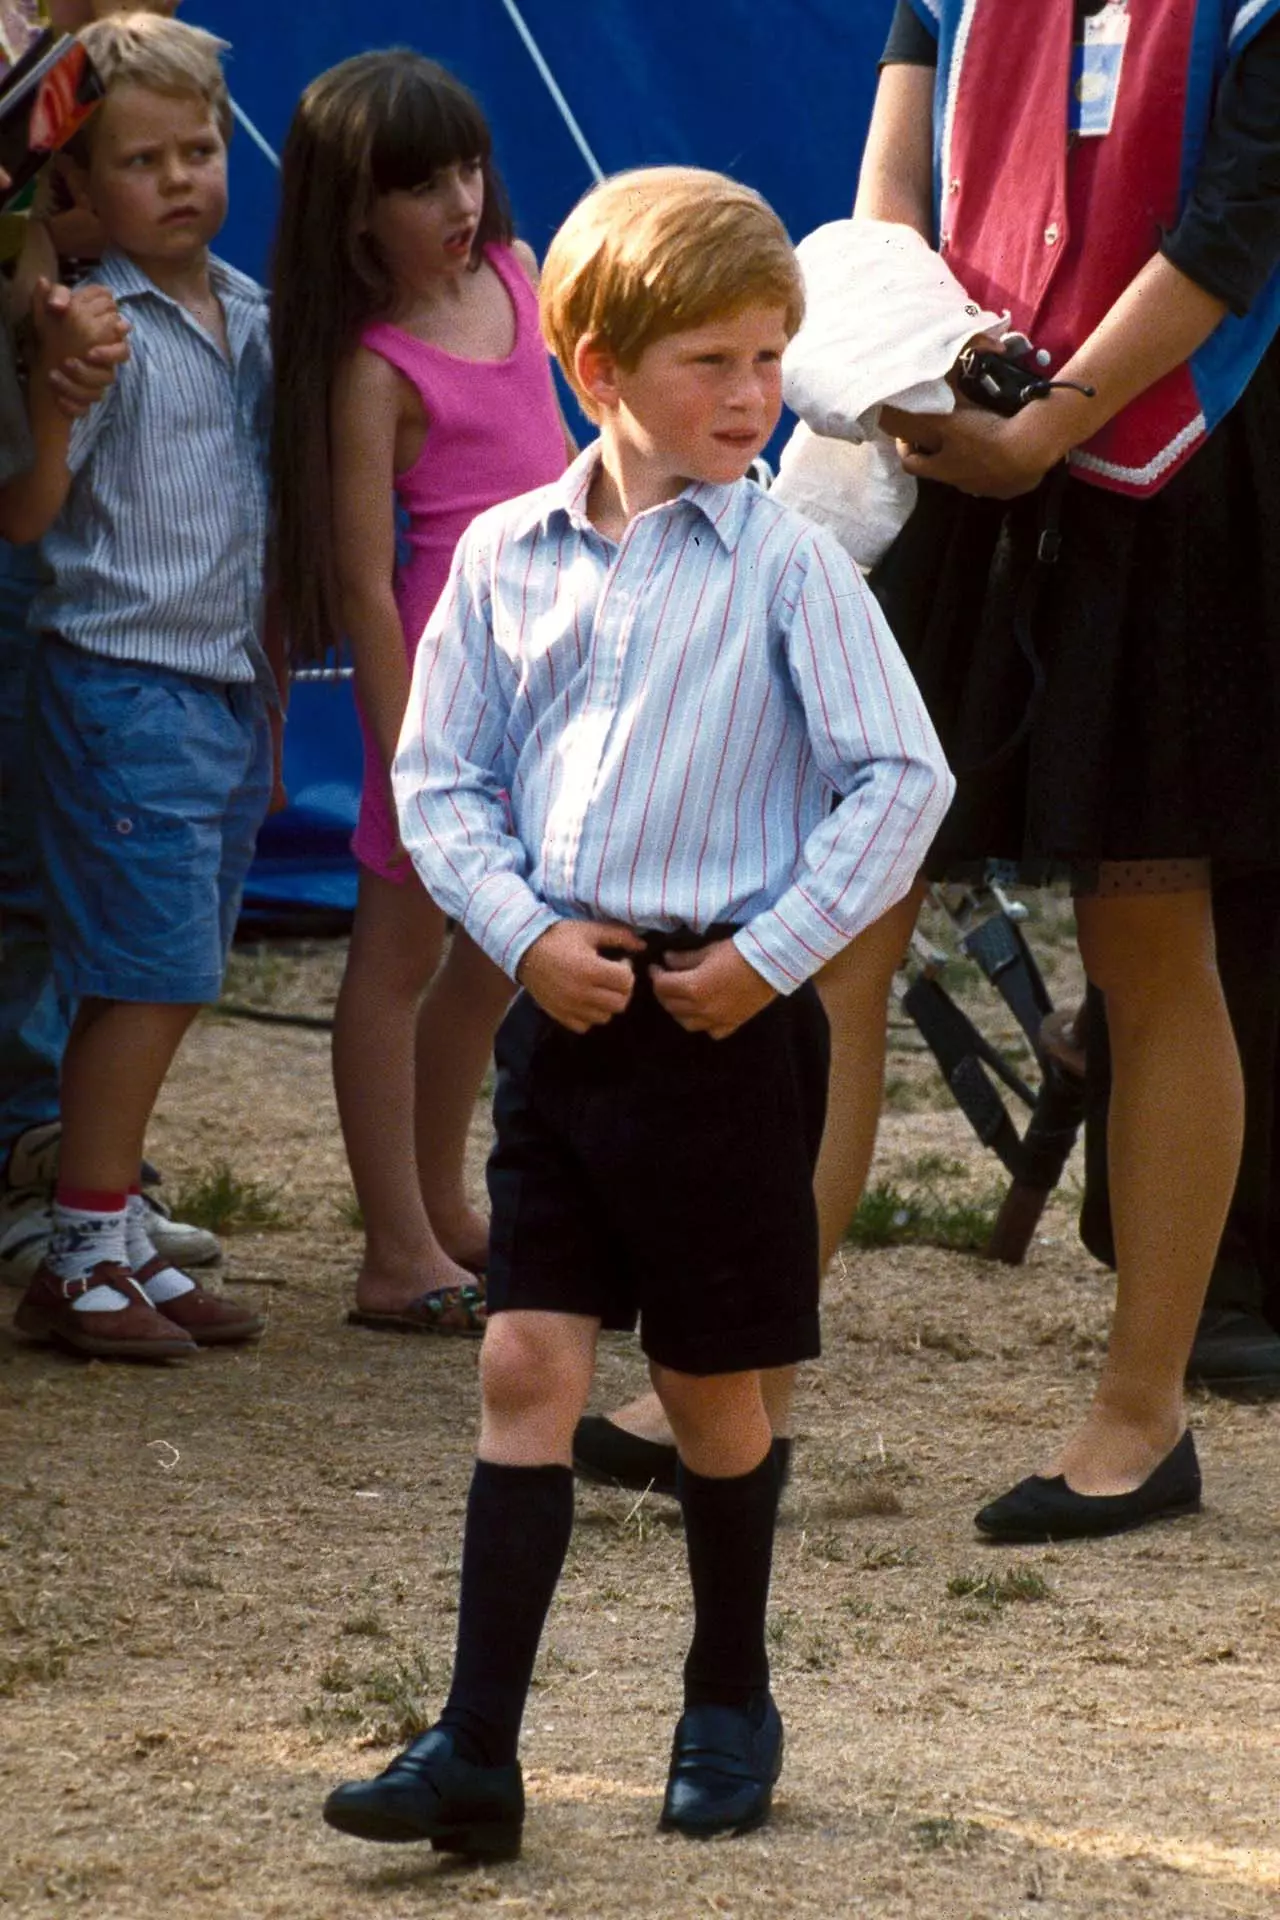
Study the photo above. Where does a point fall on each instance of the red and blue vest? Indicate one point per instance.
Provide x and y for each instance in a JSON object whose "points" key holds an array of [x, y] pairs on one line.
{"points": [[1054, 229]]}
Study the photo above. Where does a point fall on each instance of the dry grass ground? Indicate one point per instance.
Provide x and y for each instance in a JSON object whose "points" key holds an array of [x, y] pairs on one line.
{"points": [[226, 1585]]}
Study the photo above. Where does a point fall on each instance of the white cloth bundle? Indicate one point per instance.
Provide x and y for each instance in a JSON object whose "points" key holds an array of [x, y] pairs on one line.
{"points": [[884, 321]]}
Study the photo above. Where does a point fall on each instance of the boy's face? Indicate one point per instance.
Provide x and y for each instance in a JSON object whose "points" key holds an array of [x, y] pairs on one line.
{"points": [[157, 174], [700, 404]]}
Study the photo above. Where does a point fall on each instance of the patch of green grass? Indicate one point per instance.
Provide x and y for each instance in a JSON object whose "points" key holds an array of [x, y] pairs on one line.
{"points": [[351, 1213], [383, 1705], [886, 1559], [889, 1217], [905, 1093], [818, 1651], [224, 1203], [366, 1625], [1000, 1589], [958, 1346], [945, 1833], [780, 1626], [255, 975], [928, 1167], [194, 1576]]}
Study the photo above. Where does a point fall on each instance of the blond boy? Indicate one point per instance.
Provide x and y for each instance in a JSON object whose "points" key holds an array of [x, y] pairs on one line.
{"points": [[670, 676], [151, 689]]}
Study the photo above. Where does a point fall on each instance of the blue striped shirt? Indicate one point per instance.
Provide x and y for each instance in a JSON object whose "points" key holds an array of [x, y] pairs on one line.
{"points": [[654, 731], [157, 554]]}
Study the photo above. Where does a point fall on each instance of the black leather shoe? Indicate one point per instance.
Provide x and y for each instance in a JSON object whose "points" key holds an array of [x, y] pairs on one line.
{"points": [[608, 1456], [723, 1770], [1040, 1509], [1235, 1352], [429, 1793]]}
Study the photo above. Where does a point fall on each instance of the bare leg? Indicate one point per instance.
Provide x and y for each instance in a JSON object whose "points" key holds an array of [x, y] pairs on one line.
{"points": [[456, 1025], [115, 1063], [535, 1374], [1174, 1149], [855, 991], [719, 1420], [396, 945]]}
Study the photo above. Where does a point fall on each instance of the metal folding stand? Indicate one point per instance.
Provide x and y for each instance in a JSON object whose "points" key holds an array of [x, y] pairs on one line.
{"points": [[985, 925]]}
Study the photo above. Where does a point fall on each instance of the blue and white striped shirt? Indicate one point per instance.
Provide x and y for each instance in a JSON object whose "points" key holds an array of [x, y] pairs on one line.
{"points": [[157, 554], [654, 731]]}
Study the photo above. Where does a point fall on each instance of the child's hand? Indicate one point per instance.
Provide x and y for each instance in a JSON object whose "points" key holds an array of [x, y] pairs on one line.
{"points": [[569, 977], [83, 340], [711, 991]]}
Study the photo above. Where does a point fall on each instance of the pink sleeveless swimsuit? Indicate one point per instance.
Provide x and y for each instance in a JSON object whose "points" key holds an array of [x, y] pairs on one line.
{"points": [[493, 430]]}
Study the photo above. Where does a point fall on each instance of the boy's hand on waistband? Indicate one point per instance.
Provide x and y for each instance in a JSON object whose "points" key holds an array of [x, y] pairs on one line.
{"points": [[570, 978], [712, 990]]}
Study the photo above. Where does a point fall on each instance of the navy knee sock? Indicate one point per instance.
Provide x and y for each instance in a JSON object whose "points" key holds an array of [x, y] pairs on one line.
{"points": [[519, 1520], [728, 1530]]}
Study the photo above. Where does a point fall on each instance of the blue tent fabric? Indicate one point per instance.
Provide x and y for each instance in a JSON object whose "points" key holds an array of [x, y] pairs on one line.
{"points": [[775, 92]]}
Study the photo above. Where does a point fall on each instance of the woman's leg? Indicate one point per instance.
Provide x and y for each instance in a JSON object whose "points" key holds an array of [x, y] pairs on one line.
{"points": [[855, 992], [396, 944], [1175, 1131], [456, 1025]]}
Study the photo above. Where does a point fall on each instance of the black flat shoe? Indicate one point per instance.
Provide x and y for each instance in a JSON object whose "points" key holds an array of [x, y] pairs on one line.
{"points": [[723, 1769], [429, 1793], [1236, 1353], [1040, 1509], [608, 1456]]}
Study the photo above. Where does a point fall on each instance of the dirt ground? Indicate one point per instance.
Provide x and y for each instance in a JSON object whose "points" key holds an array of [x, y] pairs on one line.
{"points": [[228, 1584]]}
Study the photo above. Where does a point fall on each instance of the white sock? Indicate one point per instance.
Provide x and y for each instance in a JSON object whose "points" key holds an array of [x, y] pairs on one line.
{"points": [[83, 1239], [166, 1283]]}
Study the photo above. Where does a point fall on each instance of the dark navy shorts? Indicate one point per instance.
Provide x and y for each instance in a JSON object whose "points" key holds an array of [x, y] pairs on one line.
{"points": [[151, 788], [642, 1173]]}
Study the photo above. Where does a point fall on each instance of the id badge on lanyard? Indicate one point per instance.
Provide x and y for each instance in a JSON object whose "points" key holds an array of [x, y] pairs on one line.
{"points": [[1095, 70]]}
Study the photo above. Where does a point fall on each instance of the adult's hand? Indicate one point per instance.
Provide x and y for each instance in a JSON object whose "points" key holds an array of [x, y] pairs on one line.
{"points": [[984, 453], [83, 340]]}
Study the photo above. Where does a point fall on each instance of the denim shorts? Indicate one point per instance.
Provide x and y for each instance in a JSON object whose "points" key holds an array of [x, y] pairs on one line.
{"points": [[151, 789]]}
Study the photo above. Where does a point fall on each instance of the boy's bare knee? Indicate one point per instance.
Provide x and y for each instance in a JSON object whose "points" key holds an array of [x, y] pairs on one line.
{"points": [[529, 1365], [705, 1403]]}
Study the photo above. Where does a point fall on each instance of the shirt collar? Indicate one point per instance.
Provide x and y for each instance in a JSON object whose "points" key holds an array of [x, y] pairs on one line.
{"points": [[724, 508], [128, 282]]}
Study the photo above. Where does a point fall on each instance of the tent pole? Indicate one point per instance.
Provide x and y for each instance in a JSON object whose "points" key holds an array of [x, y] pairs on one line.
{"points": [[259, 139], [549, 81]]}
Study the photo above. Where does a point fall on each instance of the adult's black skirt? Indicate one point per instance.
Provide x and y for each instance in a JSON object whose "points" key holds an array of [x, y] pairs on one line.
{"points": [[1120, 702]]}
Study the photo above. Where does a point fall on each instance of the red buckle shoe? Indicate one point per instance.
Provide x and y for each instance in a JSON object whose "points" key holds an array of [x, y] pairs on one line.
{"points": [[209, 1319], [136, 1331]]}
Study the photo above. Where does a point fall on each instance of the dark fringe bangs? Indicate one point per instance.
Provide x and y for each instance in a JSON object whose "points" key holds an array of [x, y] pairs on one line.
{"points": [[425, 121]]}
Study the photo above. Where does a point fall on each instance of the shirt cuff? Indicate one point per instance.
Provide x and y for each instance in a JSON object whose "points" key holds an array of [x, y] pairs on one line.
{"points": [[505, 917], [790, 943]]}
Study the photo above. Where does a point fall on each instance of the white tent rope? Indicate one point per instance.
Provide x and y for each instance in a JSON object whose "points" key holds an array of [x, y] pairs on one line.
{"points": [[549, 81], [259, 139]]}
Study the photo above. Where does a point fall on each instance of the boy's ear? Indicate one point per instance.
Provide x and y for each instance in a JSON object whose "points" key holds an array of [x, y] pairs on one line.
{"points": [[596, 367]]}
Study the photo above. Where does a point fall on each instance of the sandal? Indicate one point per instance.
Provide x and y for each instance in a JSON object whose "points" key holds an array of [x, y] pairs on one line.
{"points": [[454, 1310]]}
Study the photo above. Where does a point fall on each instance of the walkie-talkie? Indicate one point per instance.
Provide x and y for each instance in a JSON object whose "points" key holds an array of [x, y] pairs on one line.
{"points": [[1003, 382]]}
